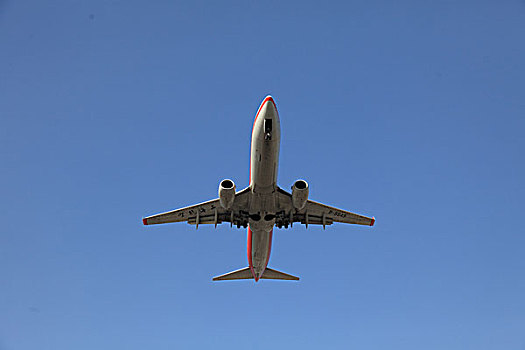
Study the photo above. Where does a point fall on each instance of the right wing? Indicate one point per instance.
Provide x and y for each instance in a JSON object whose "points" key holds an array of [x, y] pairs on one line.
{"points": [[210, 212], [315, 213]]}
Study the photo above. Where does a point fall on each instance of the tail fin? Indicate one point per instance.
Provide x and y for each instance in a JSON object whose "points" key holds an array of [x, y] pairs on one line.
{"points": [[241, 274], [271, 274]]}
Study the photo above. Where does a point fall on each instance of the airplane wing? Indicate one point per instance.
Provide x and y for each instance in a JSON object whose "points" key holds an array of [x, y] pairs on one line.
{"points": [[315, 213], [210, 212]]}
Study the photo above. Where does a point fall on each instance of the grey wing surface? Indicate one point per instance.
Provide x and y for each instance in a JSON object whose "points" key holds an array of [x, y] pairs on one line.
{"points": [[210, 212], [315, 213]]}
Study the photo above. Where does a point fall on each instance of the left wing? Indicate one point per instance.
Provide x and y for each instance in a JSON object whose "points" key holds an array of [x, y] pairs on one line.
{"points": [[210, 212], [315, 213]]}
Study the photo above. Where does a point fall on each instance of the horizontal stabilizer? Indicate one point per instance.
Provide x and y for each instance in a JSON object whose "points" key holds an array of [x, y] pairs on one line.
{"points": [[271, 274], [241, 274]]}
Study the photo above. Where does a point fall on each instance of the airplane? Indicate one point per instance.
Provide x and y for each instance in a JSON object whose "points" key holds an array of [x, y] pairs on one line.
{"points": [[263, 204]]}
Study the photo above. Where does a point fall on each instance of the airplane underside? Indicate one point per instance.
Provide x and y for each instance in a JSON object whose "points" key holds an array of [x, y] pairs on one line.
{"points": [[262, 205]]}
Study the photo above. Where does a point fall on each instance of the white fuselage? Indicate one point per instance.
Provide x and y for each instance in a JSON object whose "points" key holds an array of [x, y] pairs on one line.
{"points": [[264, 161]]}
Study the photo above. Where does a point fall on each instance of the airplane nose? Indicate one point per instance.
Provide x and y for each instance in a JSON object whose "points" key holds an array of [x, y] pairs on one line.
{"points": [[269, 110], [266, 124]]}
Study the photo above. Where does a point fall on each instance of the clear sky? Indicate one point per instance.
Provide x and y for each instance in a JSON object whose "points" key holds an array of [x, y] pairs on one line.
{"points": [[411, 111]]}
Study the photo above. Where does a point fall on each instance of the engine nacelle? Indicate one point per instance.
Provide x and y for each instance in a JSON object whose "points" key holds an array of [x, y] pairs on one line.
{"points": [[226, 193], [299, 194]]}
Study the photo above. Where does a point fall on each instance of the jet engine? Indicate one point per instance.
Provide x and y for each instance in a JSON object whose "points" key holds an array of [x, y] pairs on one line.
{"points": [[226, 193], [299, 194]]}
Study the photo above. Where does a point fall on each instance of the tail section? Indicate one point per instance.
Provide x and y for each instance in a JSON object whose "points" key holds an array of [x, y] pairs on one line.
{"points": [[246, 274], [271, 274], [241, 274]]}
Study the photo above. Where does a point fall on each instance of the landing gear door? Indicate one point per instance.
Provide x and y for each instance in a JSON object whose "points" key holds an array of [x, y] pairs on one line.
{"points": [[268, 129]]}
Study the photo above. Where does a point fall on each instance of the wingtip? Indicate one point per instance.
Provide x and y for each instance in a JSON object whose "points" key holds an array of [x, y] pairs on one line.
{"points": [[373, 222], [145, 221]]}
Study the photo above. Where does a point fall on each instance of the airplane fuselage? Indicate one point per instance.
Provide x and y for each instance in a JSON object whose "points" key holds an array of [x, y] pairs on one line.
{"points": [[264, 162]]}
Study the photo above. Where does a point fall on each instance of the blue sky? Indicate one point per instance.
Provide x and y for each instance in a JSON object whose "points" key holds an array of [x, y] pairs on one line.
{"points": [[412, 112]]}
